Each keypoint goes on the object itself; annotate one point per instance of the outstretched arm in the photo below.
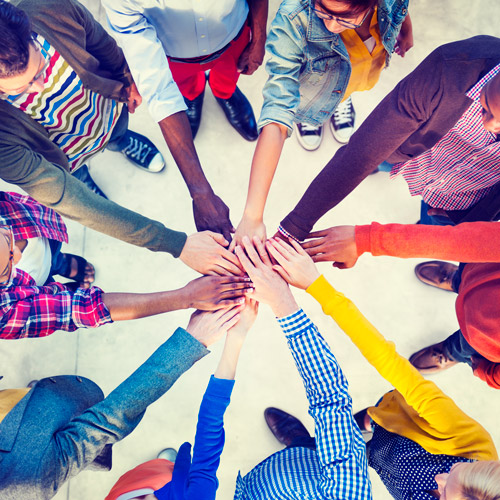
(209, 441)
(466, 242)
(138, 36)
(264, 163)
(431, 404)
(340, 447)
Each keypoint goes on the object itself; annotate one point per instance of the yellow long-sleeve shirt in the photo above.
(417, 409)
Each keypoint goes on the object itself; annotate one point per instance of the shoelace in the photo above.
(343, 113)
(137, 149)
(306, 129)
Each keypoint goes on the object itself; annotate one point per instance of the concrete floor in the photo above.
(385, 289)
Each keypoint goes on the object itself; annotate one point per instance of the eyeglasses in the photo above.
(6, 232)
(23, 90)
(346, 24)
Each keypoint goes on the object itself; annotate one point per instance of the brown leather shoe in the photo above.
(432, 359)
(284, 426)
(437, 273)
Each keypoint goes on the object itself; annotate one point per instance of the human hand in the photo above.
(270, 288)
(336, 244)
(404, 41)
(294, 265)
(247, 319)
(248, 227)
(204, 252)
(210, 293)
(134, 99)
(251, 57)
(212, 214)
(208, 327)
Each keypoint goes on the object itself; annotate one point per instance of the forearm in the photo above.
(125, 306)
(226, 368)
(257, 18)
(177, 133)
(421, 394)
(56, 188)
(325, 384)
(209, 441)
(467, 242)
(264, 163)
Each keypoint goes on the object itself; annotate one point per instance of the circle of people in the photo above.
(67, 87)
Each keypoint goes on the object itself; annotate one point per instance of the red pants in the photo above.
(190, 77)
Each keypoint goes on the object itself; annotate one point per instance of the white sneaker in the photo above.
(309, 136)
(168, 454)
(342, 121)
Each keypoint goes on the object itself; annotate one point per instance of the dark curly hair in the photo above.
(15, 39)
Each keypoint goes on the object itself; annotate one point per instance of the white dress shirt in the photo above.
(148, 29)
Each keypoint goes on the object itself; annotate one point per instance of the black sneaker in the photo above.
(342, 121)
(142, 152)
(309, 136)
(83, 175)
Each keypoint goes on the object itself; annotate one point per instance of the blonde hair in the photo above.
(480, 480)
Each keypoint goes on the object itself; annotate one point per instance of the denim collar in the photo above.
(316, 29)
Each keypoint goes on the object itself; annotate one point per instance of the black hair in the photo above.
(15, 40)
(355, 6)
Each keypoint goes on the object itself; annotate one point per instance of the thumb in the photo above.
(219, 238)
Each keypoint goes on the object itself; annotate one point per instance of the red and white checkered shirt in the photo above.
(463, 166)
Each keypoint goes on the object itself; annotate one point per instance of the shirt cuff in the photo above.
(321, 290)
(220, 387)
(285, 233)
(363, 243)
(276, 115)
(294, 323)
(88, 309)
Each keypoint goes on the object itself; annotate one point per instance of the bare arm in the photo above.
(264, 163)
(206, 293)
(253, 55)
(210, 212)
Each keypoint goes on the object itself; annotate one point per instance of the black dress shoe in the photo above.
(194, 112)
(284, 426)
(83, 175)
(240, 114)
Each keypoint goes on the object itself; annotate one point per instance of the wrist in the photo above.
(285, 306)
(253, 216)
(201, 192)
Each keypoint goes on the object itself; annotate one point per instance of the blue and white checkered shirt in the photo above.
(337, 469)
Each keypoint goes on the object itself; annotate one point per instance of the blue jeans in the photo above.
(116, 141)
(455, 346)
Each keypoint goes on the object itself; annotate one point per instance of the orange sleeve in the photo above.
(489, 372)
(467, 242)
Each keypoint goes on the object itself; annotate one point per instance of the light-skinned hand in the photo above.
(294, 265)
(209, 327)
(210, 293)
(247, 318)
(336, 244)
(205, 252)
(270, 287)
(248, 227)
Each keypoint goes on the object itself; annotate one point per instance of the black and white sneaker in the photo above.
(309, 136)
(142, 152)
(342, 121)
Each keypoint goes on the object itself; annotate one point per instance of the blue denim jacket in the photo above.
(309, 67)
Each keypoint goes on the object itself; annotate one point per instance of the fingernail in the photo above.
(247, 279)
(240, 301)
(250, 290)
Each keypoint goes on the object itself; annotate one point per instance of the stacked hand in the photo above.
(336, 244)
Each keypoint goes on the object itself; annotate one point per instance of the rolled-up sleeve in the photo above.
(146, 58)
(40, 311)
(281, 91)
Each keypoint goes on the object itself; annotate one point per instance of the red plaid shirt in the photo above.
(28, 310)
(463, 166)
